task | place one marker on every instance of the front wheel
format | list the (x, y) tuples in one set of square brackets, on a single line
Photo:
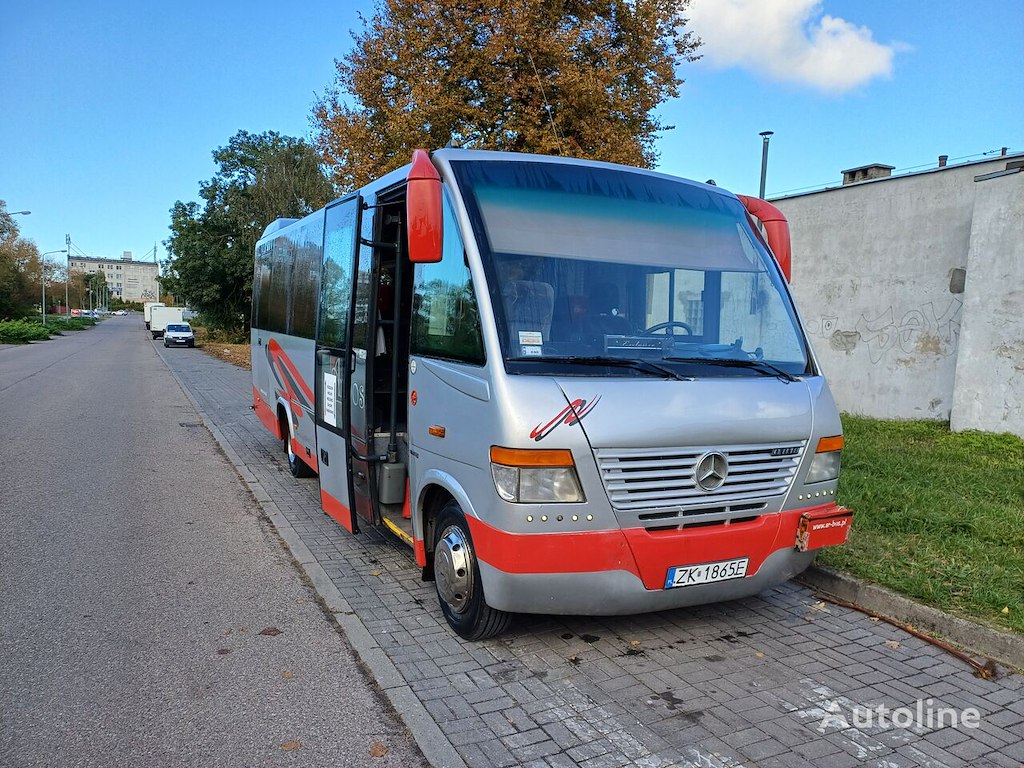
[(457, 577), (296, 466)]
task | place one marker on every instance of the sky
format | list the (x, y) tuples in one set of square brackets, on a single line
[(110, 110)]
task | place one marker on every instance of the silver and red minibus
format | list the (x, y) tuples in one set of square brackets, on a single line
[(571, 387)]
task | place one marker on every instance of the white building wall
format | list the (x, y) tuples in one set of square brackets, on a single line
[(131, 280), (878, 275), (988, 393)]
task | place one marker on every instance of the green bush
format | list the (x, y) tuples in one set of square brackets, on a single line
[(69, 323), (22, 332)]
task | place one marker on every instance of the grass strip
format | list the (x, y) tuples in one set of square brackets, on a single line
[(938, 516)]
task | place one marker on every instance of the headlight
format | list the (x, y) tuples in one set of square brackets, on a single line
[(825, 464), (535, 477)]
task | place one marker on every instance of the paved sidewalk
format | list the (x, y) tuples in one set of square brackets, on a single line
[(776, 680)]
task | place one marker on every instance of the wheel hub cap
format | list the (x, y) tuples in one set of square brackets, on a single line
[(453, 569)]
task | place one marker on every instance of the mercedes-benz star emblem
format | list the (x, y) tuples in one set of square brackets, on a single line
[(711, 471)]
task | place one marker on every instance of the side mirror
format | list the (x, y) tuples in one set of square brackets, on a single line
[(776, 230), (423, 209)]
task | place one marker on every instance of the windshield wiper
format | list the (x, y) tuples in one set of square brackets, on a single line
[(761, 365), (605, 360)]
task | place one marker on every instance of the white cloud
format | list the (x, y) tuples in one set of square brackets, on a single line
[(789, 40)]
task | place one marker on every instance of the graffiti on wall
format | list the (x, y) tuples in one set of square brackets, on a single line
[(919, 331)]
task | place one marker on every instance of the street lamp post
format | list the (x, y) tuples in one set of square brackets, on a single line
[(16, 213), (67, 275), (42, 279), (765, 135)]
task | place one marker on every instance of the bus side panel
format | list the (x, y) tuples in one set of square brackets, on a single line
[(290, 360)]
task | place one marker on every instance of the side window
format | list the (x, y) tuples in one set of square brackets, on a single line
[(261, 287), (280, 285), (445, 318), (306, 281), (336, 276)]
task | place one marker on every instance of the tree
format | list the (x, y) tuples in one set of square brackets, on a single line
[(20, 265), (261, 178), (564, 77)]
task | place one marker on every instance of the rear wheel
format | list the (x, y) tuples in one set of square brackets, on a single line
[(457, 577), (296, 466)]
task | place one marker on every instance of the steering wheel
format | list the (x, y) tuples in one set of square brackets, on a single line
[(666, 326)]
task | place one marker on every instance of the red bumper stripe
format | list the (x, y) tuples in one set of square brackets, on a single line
[(648, 555)]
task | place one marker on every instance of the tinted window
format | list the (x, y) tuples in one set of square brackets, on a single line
[(445, 320), (261, 286), (308, 244), (280, 285), (336, 276)]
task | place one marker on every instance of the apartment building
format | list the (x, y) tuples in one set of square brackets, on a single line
[(127, 279)]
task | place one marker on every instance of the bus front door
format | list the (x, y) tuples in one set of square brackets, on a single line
[(335, 361)]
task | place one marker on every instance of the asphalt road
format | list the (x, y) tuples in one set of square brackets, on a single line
[(150, 616)]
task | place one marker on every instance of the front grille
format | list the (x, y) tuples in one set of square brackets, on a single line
[(646, 480)]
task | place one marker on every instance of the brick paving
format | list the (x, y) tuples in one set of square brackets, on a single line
[(780, 679)]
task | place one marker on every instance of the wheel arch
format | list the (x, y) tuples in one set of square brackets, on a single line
[(284, 414), (436, 489)]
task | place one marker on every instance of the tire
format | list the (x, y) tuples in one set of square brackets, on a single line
[(296, 466), (166, 345), (191, 344), (457, 578)]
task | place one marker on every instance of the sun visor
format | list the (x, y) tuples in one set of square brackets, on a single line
[(578, 226)]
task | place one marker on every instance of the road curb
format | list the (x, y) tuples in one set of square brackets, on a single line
[(1003, 647), (434, 745)]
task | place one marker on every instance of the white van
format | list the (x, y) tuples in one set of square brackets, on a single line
[(160, 316), (147, 310)]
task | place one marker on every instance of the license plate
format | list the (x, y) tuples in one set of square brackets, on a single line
[(706, 573)]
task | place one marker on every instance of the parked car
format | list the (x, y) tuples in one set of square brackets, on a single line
[(179, 334)]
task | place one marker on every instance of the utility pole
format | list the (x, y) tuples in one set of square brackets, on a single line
[(67, 275)]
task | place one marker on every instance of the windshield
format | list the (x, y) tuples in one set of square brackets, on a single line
[(586, 264), (178, 328)]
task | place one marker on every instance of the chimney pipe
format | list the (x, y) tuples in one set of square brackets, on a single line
[(942, 160), (1002, 152)]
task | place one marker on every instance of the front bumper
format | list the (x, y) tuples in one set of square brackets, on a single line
[(624, 571)]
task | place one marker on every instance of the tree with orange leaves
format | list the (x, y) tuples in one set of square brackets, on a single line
[(570, 77)]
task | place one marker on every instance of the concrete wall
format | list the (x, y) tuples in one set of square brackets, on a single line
[(988, 392), (879, 277)]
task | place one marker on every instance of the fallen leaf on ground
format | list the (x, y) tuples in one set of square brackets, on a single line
[(378, 750), (759, 654), (892, 643), (288, 746), (287, 674), (271, 632), (1006, 610)]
